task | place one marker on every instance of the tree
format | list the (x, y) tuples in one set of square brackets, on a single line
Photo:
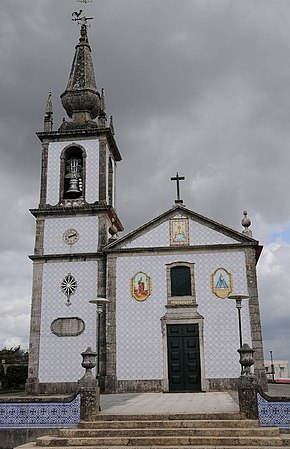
[(13, 367), (13, 355), (16, 376)]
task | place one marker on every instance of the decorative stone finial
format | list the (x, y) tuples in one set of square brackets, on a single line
[(48, 120), (112, 125), (89, 359), (246, 359), (48, 109), (102, 119), (246, 222), (84, 35), (113, 230), (102, 102)]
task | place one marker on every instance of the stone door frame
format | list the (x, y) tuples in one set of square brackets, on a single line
[(183, 315)]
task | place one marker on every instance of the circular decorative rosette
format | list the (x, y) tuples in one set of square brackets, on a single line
[(68, 285)]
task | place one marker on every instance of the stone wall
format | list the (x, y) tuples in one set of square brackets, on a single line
[(11, 438)]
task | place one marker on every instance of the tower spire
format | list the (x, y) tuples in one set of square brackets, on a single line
[(81, 99)]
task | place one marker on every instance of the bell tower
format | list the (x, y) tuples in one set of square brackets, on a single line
[(73, 219)]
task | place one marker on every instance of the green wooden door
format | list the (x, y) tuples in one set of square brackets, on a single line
[(183, 357)]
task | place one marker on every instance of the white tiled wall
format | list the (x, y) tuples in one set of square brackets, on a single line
[(198, 235), (139, 340), (92, 170), (60, 357), (88, 235), (53, 172)]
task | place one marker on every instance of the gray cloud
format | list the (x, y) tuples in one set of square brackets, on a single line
[(201, 87)]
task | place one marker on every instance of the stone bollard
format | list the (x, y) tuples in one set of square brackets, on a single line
[(89, 388), (247, 389)]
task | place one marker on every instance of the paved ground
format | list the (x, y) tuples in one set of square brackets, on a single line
[(135, 403), (168, 402), (178, 402), (279, 389)]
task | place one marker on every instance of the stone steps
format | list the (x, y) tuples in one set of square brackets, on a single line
[(170, 432), (173, 423), (160, 441), (171, 416), (33, 446), (226, 431)]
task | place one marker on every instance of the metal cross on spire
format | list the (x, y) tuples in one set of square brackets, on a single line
[(178, 178)]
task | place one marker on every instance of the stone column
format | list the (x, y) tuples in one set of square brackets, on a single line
[(255, 319), (32, 382), (89, 388), (248, 384), (43, 181), (111, 378), (247, 391), (102, 170)]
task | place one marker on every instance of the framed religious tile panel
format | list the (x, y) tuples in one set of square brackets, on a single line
[(221, 283), (141, 286), (179, 234)]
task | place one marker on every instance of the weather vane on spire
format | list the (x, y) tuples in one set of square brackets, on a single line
[(79, 17)]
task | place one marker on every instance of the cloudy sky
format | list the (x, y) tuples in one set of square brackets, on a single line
[(196, 86)]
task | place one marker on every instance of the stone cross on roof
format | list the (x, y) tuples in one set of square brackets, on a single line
[(178, 178)]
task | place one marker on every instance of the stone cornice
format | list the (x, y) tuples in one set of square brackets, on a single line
[(86, 209), (183, 249), (38, 399), (79, 133), (67, 257)]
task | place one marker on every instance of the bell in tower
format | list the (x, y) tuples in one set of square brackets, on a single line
[(73, 174), (77, 197)]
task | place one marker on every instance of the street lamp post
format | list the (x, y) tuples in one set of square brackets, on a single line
[(100, 303), (272, 366), (239, 299)]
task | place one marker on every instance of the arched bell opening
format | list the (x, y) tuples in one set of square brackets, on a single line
[(72, 173)]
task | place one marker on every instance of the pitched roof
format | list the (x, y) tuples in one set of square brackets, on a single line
[(180, 209)]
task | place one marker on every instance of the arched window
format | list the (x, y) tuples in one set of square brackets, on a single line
[(72, 173), (180, 281)]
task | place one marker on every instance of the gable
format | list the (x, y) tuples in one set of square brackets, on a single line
[(161, 235)]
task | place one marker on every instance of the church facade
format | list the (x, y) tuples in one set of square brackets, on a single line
[(169, 324), (172, 326)]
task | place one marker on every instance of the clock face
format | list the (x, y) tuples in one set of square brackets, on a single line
[(70, 236)]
